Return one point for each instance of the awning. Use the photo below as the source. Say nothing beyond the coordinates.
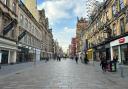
(90, 50)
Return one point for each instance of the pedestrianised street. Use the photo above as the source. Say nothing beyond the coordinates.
(64, 74)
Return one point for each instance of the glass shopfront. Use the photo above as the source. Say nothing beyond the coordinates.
(115, 51)
(124, 54)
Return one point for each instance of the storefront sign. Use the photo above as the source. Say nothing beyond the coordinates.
(122, 40)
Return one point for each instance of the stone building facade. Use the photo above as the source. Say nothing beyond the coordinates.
(23, 37)
(47, 37)
(29, 39)
(8, 30)
(107, 32)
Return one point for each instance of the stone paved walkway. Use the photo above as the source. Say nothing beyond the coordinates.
(63, 75)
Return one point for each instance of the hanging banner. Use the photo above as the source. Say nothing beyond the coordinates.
(127, 15)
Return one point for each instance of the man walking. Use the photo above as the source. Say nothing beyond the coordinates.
(76, 58)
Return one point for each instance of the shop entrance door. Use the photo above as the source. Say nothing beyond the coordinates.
(4, 59)
(108, 54)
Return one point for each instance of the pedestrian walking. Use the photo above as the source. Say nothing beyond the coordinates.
(47, 59)
(76, 59)
(59, 58)
(86, 59)
(103, 64)
(115, 60)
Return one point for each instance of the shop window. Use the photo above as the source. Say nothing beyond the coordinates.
(115, 51)
(124, 54)
(121, 4)
(122, 26)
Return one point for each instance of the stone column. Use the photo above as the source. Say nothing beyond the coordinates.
(119, 54)
(111, 51)
(9, 57)
(12, 56)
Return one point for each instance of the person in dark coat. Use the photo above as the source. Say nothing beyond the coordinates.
(86, 59)
(76, 58)
(115, 60)
(103, 64)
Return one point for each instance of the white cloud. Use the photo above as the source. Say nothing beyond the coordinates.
(64, 9)
(64, 37)
(55, 10)
(59, 10)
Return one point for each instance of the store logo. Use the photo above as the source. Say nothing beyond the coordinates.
(121, 40)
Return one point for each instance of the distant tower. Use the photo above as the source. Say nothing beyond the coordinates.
(32, 7)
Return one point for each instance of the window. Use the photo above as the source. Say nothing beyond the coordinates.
(122, 26)
(29, 26)
(115, 8)
(114, 33)
(107, 16)
(21, 19)
(124, 54)
(12, 33)
(8, 3)
(5, 2)
(121, 4)
(14, 7)
(29, 39)
(25, 38)
(26, 23)
(32, 29)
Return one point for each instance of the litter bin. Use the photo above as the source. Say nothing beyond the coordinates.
(113, 66)
(109, 66)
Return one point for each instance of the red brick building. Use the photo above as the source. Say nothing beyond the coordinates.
(73, 46)
(80, 27)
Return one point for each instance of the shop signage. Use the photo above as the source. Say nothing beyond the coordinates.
(122, 40)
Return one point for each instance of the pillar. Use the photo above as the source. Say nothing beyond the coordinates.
(12, 56)
(9, 58)
(119, 54)
(111, 51)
